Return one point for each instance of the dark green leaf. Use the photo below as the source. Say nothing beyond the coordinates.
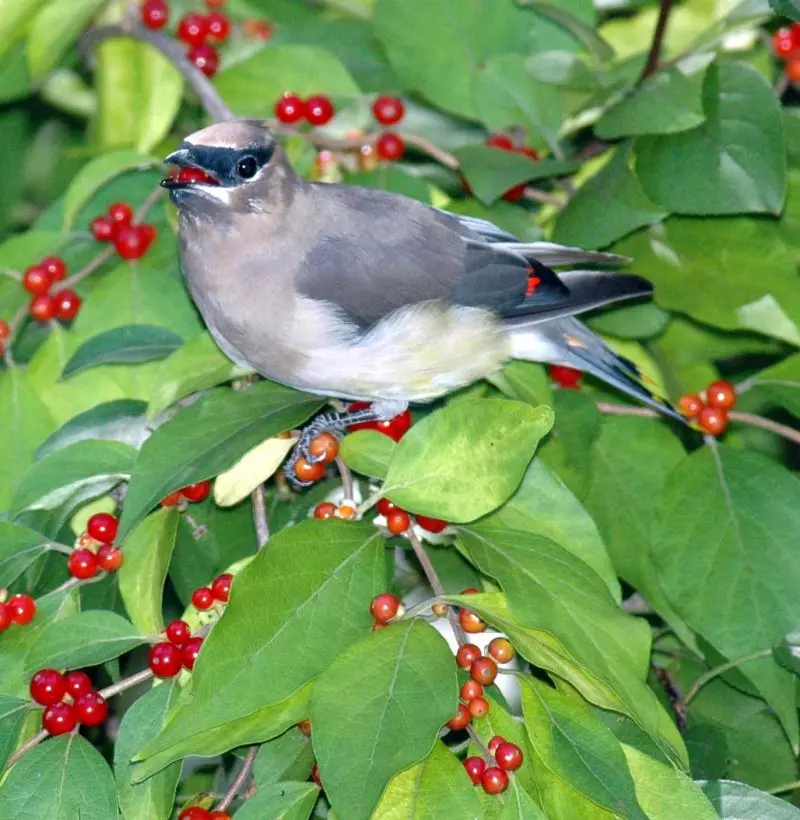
(466, 459)
(87, 639)
(368, 452)
(738, 801)
(288, 757)
(148, 551)
(392, 674)
(63, 779)
(780, 384)
(524, 381)
(746, 510)
(640, 321)
(733, 162)
(77, 472)
(19, 548)
(584, 34)
(207, 438)
(280, 801)
(786, 8)
(13, 713)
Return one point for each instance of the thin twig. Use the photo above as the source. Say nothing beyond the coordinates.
(785, 787)
(346, 476)
(260, 516)
(542, 197)
(721, 670)
(484, 749)
(27, 746)
(13, 327)
(210, 99)
(654, 57)
(126, 683)
(240, 778)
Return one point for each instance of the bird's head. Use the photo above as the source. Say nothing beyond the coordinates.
(234, 166)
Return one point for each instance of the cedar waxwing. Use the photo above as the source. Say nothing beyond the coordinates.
(358, 293)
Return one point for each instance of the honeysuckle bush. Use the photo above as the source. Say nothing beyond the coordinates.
(647, 576)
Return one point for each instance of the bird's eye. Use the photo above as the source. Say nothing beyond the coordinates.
(247, 167)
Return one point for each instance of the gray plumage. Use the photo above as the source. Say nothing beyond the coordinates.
(365, 294)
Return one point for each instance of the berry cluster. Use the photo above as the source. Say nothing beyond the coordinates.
(68, 699)
(95, 551)
(494, 779)
(290, 109)
(197, 31)
(566, 377)
(395, 427)
(18, 609)
(192, 492)
(203, 598)
(323, 449)
(199, 813)
(786, 45)
(327, 509)
(385, 608)
(710, 407)
(389, 111)
(398, 520)
(504, 143)
(38, 280)
(116, 226)
(179, 651)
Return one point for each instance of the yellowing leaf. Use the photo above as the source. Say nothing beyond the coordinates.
(252, 469)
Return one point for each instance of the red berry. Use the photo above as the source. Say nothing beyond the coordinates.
(431, 524)
(5, 617)
(318, 110)
(475, 767)
(388, 110)
(197, 492)
(690, 405)
(193, 29)
(793, 68)
(289, 109)
(515, 194)
(172, 499)
(5, 330)
(478, 707)
(508, 756)
(531, 153)
(501, 649)
(121, 215)
(109, 558)
(59, 718)
(461, 718)
(190, 652)
(203, 598)
(68, 303)
(494, 780)
(165, 660)
(721, 394)
(470, 622)
(390, 147)
(325, 447)
(483, 670)
(384, 607)
(103, 527)
(471, 690)
(102, 229)
(189, 174)
(785, 41)
(500, 141)
(315, 776)
(219, 27)
(155, 14)
(43, 308)
(398, 521)
(495, 742)
(324, 510)
(82, 563)
(132, 241)
(55, 267)
(91, 709)
(566, 377)
(221, 587)
(467, 655)
(194, 813)
(47, 686)
(219, 815)
(178, 632)
(395, 427)
(304, 470)
(37, 280)
(384, 506)
(205, 58)
(78, 683)
(713, 420)
(21, 608)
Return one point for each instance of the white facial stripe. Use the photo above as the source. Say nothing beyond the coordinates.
(210, 144)
(218, 193)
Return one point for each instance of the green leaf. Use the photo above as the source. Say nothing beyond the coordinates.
(148, 551)
(303, 69)
(392, 675)
(666, 103)
(54, 29)
(466, 459)
(79, 471)
(207, 438)
(630, 462)
(198, 365)
(780, 384)
(738, 801)
(787, 652)
(506, 94)
(436, 788)
(639, 321)
(583, 33)
(438, 48)
(786, 8)
(524, 381)
(610, 205)
(97, 173)
(288, 757)
(319, 577)
(19, 548)
(87, 639)
(129, 344)
(368, 452)
(491, 171)
(122, 420)
(745, 509)
(13, 713)
(733, 162)
(153, 799)
(25, 423)
(280, 801)
(576, 746)
(14, 19)
(63, 779)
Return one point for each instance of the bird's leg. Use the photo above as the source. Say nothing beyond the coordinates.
(337, 424)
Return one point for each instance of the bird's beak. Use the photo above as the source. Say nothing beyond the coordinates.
(188, 172)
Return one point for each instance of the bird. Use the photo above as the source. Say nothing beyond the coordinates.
(367, 295)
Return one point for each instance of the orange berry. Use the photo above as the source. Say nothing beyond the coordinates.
(325, 446)
(471, 690)
(305, 471)
(398, 521)
(713, 420)
(690, 405)
(325, 509)
(470, 622)
(478, 707)
(461, 718)
(501, 649)
(721, 394)
(467, 654)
